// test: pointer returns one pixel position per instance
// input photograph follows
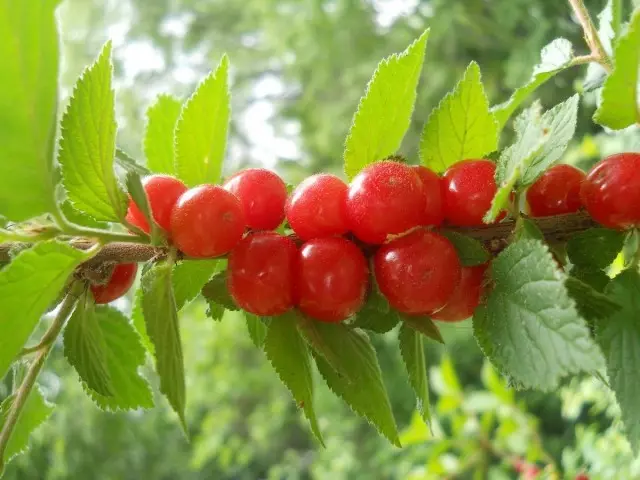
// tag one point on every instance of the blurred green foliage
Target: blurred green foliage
(298, 70)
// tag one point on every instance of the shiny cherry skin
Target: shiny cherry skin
(162, 192)
(385, 198)
(260, 273)
(262, 194)
(556, 191)
(332, 278)
(432, 186)
(207, 221)
(418, 272)
(466, 296)
(468, 190)
(318, 207)
(611, 191)
(122, 277)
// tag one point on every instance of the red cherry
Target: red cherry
(417, 273)
(260, 273)
(120, 282)
(262, 194)
(432, 186)
(331, 279)
(162, 192)
(207, 221)
(556, 191)
(385, 198)
(611, 191)
(469, 187)
(318, 207)
(466, 296)
(582, 476)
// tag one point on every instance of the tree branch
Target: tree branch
(495, 238)
(591, 34)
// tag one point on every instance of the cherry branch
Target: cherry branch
(598, 53)
(495, 238)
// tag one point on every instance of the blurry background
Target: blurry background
(299, 68)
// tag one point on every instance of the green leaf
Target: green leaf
(28, 286)
(80, 218)
(595, 248)
(590, 303)
(28, 107)
(384, 112)
(35, 411)
(288, 353)
(527, 228)
(86, 349)
(412, 352)
(201, 131)
(502, 198)
(137, 318)
(470, 251)
(596, 279)
(530, 328)
(216, 291)
(129, 164)
(424, 325)
(139, 196)
(619, 107)
(619, 338)
(555, 57)
(124, 356)
(376, 315)
(461, 126)
(363, 391)
(189, 276)
(257, 329)
(88, 142)
(161, 320)
(162, 117)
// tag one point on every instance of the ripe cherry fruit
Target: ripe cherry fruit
(432, 187)
(556, 191)
(262, 194)
(207, 221)
(468, 189)
(385, 198)
(260, 273)
(466, 296)
(417, 273)
(318, 207)
(611, 191)
(162, 192)
(119, 283)
(331, 279)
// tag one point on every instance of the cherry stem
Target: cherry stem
(598, 53)
(22, 394)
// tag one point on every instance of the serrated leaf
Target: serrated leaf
(28, 286)
(596, 279)
(384, 112)
(461, 126)
(34, 413)
(527, 228)
(595, 248)
(530, 328)
(28, 107)
(161, 320)
(376, 315)
(590, 303)
(139, 197)
(424, 325)
(162, 117)
(129, 164)
(470, 251)
(555, 57)
(137, 319)
(502, 197)
(88, 142)
(189, 276)
(289, 356)
(257, 329)
(86, 349)
(619, 338)
(216, 291)
(363, 391)
(412, 352)
(619, 105)
(201, 131)
(80, 218)
(124, 356)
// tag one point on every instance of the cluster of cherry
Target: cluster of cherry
(392, 206)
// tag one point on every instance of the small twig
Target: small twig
(591, 36)
(29, 381)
